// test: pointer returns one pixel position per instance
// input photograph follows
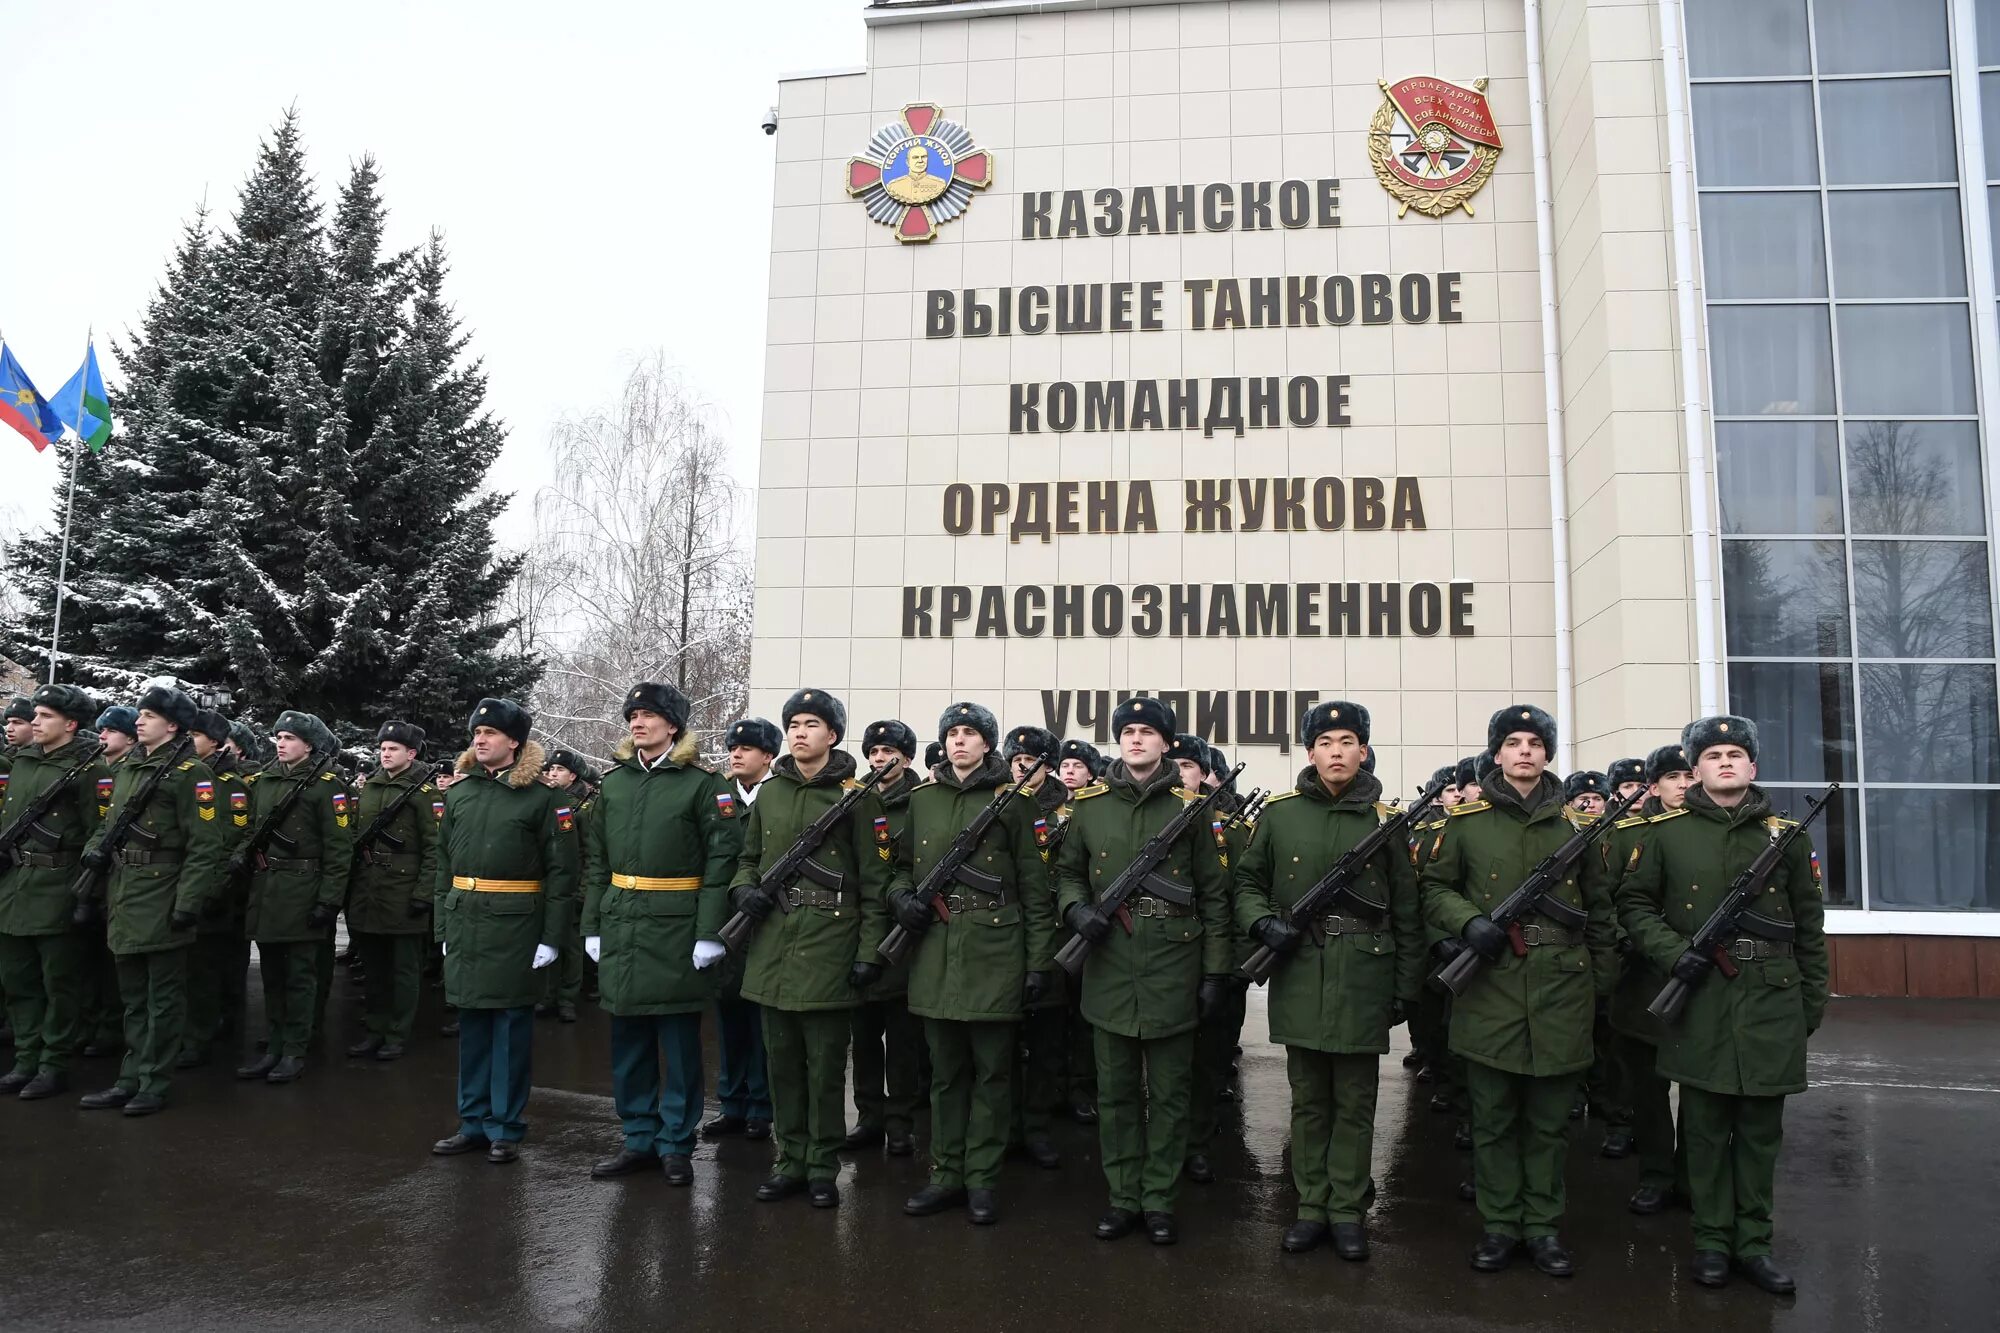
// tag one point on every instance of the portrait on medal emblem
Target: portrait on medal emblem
(918, 172)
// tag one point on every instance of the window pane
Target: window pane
(1778, 476)
(1746, 37)
(1899, 360)
(1896, 243)
(1922, 599)
(1771, 360)
(1884, 131)
(1916, 477)
(1867, 36)
(1784, 598)
(1933, 849)
(1988, 12)
(1929, 723)
(1805, 718)
(1754, 134)
(1762, 245)
(1989, 117)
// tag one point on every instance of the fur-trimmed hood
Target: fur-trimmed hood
(527, 769)
(686, 750)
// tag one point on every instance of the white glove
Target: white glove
(443, 949)
(594, 946)
(544, 955)
(706, 952)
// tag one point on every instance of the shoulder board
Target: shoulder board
(1580, 818)
(1094, 789)
(1182, 792)
(1430, 825)
(1383, 810)
(186, 764)
(1281, 796)
(1630, 821)
(326, 777)
(1778, 821)
(1470, 808)
(428, 786)
(849, 784)
(1668, 814)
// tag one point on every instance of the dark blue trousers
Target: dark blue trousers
(495, 1058)
(740, 1081)
(660, 1115)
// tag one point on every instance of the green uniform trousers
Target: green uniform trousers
(1661, 1165)
(291, 983)
(393, 965)
(322, 966)
(1142, 1117)
(1732, 1165)
(1214, 1064)
(1520, 1136)
(44, 977)
(1428, 1029)
(1038, 1071)
(103, 1005)
(1333, 1131)
(888, 1047)
(805, 1054)
(1604, 1086)
(216, 967)
(971, 1100)
(154, 987)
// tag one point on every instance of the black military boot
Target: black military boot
(1350, 1241)
(1550, 1256)
(259, 1067)
(1711, 1268)
(779, 1187)
(566, 1012)
(900, 1143)
(192, 1057)
(502, 1151)
(624, 1162)
(933, 1198)
(1043, 1153)
(678, 1168)
(1759, 1269)
(982, 1207)
(110, 1099)
(1617, 1143)
(457, 1144)
(389, 1050)
(368, 1045)
(1162, 1229)
(1494, 1252)
(863, 1136)
(287, 1070)
(145, 1103)
(45, 1084)
(1199, 1171)
(724, 1126)
(756, 1130)
(1647, 1200)
(15, 1080)
(1303, 1235)
(822, 1194)
(1115, 1223)
(1081, 1111)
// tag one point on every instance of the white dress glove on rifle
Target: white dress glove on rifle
(594, 946)
(706, 952)
(444, 949)
(544, 955)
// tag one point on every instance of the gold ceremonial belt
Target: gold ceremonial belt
(673, 883)
(478, 885)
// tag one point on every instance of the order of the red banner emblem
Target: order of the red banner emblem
(918, 171)
(1433, 143)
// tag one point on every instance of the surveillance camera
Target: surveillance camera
(771, 121)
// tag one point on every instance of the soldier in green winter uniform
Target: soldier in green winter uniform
(1343, 978)
(160, 878)
(809, 966)
(1143, 993)
(740, 1082)
(1636, 1033)
(298, 879)
(389, 893)
(973, 973)
(103, 1010)
(1610, 1100)
(562, 984)
(44, 958)
(1216, 1034)
(507, 873)
(1740, 1046)
(1054, 1070)
(1447, 1069)
(888, 1039)
(659, 848)
(1586, 793)
(221, 955)
(1524, 1026)
(1427, 1015)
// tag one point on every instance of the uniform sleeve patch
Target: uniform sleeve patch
(437, 808)
(103, 787)
(340, 803)
(204, 792)
(565, 818)
(239, 801)
(1041, 833)
(882, 837)
(725, 805)
(1632, 861)
(1813, 860)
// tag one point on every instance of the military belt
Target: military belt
(477, 884)
(138, 856)
(1146, 905)
(45, 860)
(669, 884)
(295, 865)
(1560, 936)
(974, 902)
(813, 897)
(1744, 948)
(1335, 924)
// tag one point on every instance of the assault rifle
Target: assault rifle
(29, 820)
(952, 868)
(378, 827)
(89, 885)
(797, 863)
(1734, 916)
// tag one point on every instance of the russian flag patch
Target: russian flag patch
(565, 818)
(204, 792)
(725, 805)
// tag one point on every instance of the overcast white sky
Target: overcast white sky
(596, 166)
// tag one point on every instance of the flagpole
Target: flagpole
(62, 560)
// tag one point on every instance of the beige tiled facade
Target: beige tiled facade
(866, 421)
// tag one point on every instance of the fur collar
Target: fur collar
(686, 750)
(527, 769)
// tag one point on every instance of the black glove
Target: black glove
(1484, 938)
(752, 901)
(1087, 921)
(910, 914)
(238, 864)
(1447, 949)
(420, 907)
(863, 975)
(95, 858)
(1398, 1015)
(1626, 944)
(1033, 987)
(1691, 967)
(1276, 934)
(181, 919)
(321, 916)
(1210, 995)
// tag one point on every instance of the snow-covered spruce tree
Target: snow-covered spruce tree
(294, 507)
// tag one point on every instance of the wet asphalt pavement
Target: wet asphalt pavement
(318, 1206)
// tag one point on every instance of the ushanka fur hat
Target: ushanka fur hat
(1520, 717)
(1092, 757)
(1191, 747)
(170, 703)
(819, 704)
(504, 716)
(1667, 759)
(1143, 712)
(1723, 729)
(20, 709)
(403, 733)
(891, 732)
(1623, 771)
(1037, 741)
(213, 725)
(1587, 783)
(67, 700)
(655, 697)
(1333, 715)
(755, 732)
